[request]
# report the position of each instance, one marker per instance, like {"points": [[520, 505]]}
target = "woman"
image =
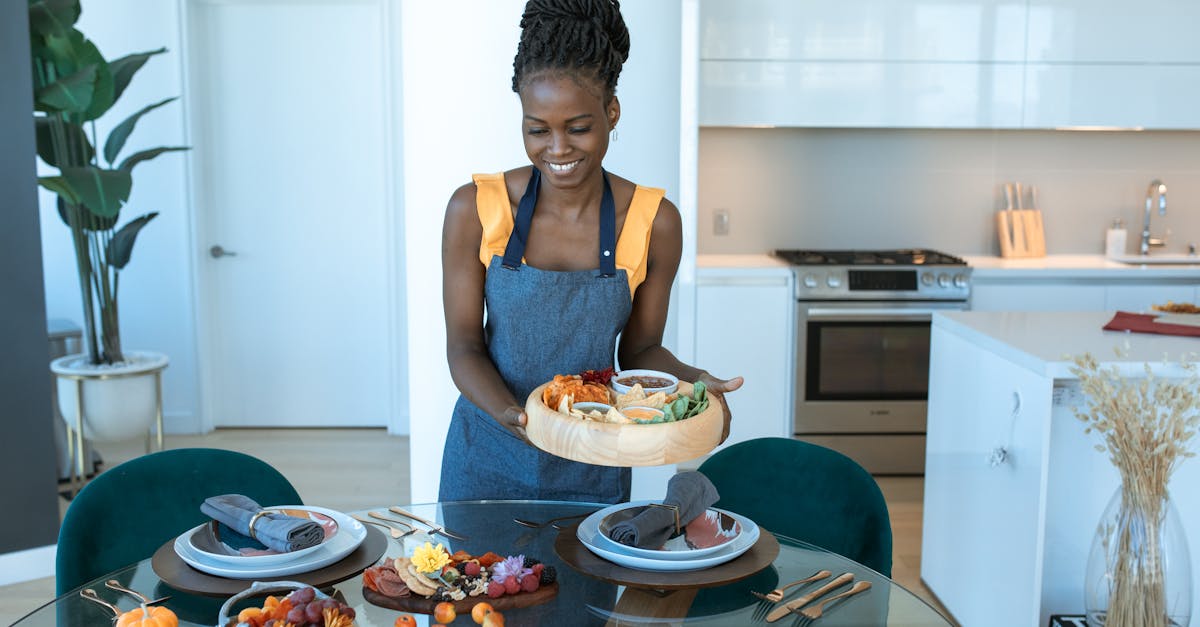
{"points": [[564, 257]]}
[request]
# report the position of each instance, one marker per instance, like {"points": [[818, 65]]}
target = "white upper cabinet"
{"points": [[950, 64]]}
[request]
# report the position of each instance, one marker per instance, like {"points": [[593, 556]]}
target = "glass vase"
{"points": [[1139, 571]]}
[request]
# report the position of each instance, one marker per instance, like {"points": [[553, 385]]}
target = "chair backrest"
{"points": [[806, 492], [127, 512]]}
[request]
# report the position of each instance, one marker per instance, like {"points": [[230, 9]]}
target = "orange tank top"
{"points": [[633, 244]]}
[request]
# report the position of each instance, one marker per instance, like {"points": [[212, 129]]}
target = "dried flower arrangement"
{"points": [[1147, 425]]}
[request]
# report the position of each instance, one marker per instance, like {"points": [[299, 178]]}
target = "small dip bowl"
{"points": [[652, 381], [642, 414], [588, 407]]}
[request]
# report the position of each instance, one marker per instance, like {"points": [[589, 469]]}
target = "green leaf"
{"points": [[73, 133], [85, 219], [49, 17], [103, 192], [116, 139], [147, 155], [121, 246], [70, 94], [124, 68], [60, 186]]}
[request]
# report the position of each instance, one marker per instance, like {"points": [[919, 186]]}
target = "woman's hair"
{"points": [[583, 38]]}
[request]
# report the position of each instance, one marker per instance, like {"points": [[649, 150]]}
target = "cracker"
{"points": [[415, 581]]}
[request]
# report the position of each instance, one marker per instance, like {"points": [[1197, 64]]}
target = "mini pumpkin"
{"points": [[148, 616]]}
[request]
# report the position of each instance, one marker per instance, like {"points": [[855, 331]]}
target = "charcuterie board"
{"points": [[422, 605]]}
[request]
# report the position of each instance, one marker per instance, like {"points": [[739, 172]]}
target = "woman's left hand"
{"points": [[719, 387]]}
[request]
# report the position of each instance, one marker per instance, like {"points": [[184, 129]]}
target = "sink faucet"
{"points": [[1157, 190]]}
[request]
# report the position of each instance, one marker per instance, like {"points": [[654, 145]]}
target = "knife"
{"points": [[434, 527], [787, 608]]}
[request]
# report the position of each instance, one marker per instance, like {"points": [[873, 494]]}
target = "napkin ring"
{"points": [[674, 509], [254, 519]]}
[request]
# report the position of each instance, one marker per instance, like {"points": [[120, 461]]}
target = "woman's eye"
{"points": [[579, 130], [537, 131]]}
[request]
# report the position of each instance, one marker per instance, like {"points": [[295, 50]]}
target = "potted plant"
{"points": [[74, 86]]}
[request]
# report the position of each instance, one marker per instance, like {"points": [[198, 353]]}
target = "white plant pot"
{"points": [[120, 401]]}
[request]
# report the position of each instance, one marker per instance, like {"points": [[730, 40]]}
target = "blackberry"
{"points": [[548, 576], [529, 562]]}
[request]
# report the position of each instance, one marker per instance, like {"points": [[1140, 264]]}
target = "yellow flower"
{"points": [[430, 559]]}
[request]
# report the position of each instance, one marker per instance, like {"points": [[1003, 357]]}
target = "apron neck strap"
{"points": [[515, 250]]}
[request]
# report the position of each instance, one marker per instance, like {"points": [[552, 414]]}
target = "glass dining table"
{"points": [[581, 600]]}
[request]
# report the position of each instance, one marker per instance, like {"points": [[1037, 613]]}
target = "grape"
{"points": [[313, 613], [303, 595], [348, 611], [296, 615]]}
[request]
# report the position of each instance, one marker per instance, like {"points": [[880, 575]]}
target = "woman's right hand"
{"points": [[514, 419]]}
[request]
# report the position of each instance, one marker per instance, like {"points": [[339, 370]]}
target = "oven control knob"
{"points": [[810, 280], [927, 279], [960, 280], [833, 281], [943, 280]]}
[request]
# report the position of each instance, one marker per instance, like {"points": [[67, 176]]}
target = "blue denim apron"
{"points": [[539, 323]]}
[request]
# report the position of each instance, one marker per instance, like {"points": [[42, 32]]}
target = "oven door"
{"points": [[863, 367]]}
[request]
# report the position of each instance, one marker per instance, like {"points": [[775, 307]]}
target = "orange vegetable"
{"points": [[149, 616]]}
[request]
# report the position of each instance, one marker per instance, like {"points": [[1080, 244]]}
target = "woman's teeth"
{"points": [[562, 168]]}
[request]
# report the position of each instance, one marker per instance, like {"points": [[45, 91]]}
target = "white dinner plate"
{"points": [[588, 533], [705, 529], [205, 541], [350, 534]]}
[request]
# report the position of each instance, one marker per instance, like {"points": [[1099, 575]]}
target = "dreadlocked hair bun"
{"points": [[584, 37]]}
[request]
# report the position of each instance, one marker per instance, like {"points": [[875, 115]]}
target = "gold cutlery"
{"points": [[395, 533], [91, 595], [548, 523], [787, 608], [434, 527], [143, 599], [771, 598], [817, 611]]}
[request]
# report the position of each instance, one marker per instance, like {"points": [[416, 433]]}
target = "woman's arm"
{"points": [[463, 275], [641, 341]]}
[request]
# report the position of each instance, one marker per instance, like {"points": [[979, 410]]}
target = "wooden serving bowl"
{"points": [[607, 444]]}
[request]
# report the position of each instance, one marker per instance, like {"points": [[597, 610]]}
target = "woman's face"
{"points": [[565, 126]]}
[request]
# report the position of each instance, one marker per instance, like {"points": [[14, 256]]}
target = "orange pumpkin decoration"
{"points": [[148, 616]]}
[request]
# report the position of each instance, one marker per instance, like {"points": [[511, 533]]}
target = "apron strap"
{"points": [[515, 249]]}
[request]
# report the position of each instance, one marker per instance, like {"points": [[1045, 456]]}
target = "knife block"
{"points": [[1021, 233]]}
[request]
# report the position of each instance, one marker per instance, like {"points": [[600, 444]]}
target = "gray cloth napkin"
{"points": [[278, 531], [691, 491]]}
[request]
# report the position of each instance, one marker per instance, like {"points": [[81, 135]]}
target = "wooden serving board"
{"points": [[607, 444], [421, 605], [577, 556]]}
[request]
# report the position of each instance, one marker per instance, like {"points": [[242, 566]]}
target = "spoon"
{"points": [[116, 585], [91, 595], [396, 533]]}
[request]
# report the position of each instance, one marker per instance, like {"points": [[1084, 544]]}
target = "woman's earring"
{"points": [[613, 134]]}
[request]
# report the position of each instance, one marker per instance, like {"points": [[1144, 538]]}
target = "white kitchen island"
{"points": [[1013, 486]]}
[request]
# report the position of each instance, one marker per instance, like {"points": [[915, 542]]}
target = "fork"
{"points": [[396, 533], [91, 595], [143, 599], [771, 598], [811, 613]]}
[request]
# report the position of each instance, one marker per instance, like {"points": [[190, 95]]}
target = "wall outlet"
{"points": [[721, 222]]}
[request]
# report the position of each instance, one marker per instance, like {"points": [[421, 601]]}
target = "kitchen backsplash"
{"points": [[881, 188]]}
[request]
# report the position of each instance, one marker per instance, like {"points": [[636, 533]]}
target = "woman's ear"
{"points": [[614, 112]]}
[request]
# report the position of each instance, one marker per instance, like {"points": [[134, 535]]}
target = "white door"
{"points": [[291, 109]]}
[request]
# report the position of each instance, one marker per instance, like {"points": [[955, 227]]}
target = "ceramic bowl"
{"points": [[706, 534], [623, 381]]}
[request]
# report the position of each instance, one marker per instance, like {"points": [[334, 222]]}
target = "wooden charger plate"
{"points": [[607, 444], [422, 605], [179, 575], [577, 556]]}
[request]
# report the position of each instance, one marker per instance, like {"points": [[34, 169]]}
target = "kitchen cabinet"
{"points": [[923, 64], [745, 321], [1079, 294]]}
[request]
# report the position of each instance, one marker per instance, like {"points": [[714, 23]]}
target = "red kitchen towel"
{"points": [[1144, 323]]}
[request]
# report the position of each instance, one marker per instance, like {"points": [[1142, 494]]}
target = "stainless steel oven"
{"points": [[862, 355]]}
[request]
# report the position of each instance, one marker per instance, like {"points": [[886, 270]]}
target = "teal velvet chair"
{"points": [[806, 492], [127, 512]]}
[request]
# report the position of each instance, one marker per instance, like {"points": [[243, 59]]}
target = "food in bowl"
{"points": [[643, 414], [650, 380]]}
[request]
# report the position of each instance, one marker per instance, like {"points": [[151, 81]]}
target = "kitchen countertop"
{"points": [[740, 261], [1044, 341], [1072, 267]]}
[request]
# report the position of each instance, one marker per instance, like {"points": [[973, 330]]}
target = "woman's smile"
{"points": [[563, 168]]}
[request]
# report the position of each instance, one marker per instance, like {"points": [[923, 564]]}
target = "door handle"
{"points": [[217, 251]]}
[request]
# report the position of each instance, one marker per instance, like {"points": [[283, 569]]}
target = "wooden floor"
{"points": [[349, 469]]}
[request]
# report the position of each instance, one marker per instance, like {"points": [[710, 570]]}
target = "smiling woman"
{"points": [[592, 255]]}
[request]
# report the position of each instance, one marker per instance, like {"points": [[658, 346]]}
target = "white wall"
{"points": [[156, 299], [888, 188], [460, 117]]}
